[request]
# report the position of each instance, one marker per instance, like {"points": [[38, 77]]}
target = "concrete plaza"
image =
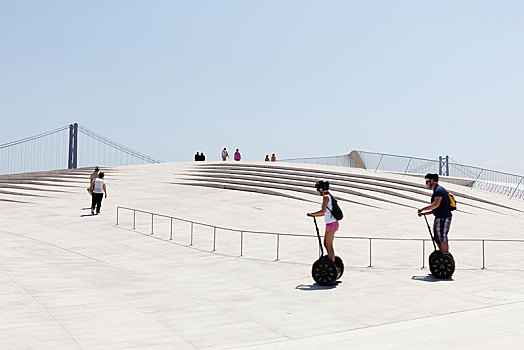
{"points": [[70, 280]]}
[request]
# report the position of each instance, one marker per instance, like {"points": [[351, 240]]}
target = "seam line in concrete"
{"points": [[54, 245]]}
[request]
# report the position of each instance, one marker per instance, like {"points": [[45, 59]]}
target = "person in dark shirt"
{"points": [[440, 208]]}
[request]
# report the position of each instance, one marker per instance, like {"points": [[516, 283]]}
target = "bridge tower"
{"points": [[443, 168], [73, 146]]}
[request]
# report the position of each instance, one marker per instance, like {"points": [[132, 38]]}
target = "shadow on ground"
{"points": [[309, 287], [430, 278]]}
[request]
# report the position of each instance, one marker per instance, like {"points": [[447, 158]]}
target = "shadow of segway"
{"points": [[312, 287], [431, 278]]}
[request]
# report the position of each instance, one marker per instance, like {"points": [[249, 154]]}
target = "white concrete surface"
{"points": [[69, 280]]}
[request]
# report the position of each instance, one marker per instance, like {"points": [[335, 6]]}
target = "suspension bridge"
{"points": [[68, 147]]}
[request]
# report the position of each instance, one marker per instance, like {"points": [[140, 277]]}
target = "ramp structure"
{"points": [[194, 265]]}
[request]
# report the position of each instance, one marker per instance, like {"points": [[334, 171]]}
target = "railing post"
{"points": [[423, 253], [134, 219], [214, 238], [370, 253], [522, 178], [410, 159], [191, 241], [117, 216], [152, 229], [379, 162], [473, 184], [171, 231], [483, 257], [241, 242], [278, 246]]}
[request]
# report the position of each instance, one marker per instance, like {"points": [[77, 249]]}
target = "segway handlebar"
{"points": [[430, 233], [318, 235]]}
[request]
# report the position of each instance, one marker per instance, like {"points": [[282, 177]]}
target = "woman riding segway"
{"points": [[327, 212], [328, 268]]}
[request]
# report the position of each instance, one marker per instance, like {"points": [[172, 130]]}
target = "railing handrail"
{"points": [[303, 235], [406, 157]]}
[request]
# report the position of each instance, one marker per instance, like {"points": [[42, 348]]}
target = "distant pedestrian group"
{"points": [[273, 158], [200, 157], [225, 155]]}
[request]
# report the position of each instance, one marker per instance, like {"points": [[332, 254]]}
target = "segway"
{"points": [[441, 265], [326, 272]]}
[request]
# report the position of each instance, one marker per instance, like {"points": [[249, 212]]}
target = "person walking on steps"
{"points": [[237, 156], [326, 211], [99, 190], [225, 155], [440, 208], [94, 175]]}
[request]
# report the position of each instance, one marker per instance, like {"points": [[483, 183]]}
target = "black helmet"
{"points": [[323, 185], [432, 177]]}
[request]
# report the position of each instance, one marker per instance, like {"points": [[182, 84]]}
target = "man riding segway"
{"points": [[441, 262], [441, 209]]}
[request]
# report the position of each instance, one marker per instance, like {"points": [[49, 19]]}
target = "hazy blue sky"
{"points": [[295, 78]]}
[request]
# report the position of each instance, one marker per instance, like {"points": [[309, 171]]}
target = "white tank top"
{"points": [[328, 217]]}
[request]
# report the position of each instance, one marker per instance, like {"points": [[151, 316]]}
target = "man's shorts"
{"points": [[441, 229]]}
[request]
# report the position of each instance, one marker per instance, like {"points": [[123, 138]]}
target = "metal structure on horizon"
{"points": [[69, 147], [506, 184]]}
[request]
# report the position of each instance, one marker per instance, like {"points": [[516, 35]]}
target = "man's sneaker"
{"points": [[92, 212]]}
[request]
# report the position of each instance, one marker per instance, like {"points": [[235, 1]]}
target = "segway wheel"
{"points": [[432, 255], [441, 265], [324, 272], [340, 265]]}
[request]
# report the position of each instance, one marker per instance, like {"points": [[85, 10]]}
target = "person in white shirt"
{"points": [[99, 190], [225, 155]]}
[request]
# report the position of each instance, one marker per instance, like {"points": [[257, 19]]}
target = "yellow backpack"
{"points": [[452, 202]]}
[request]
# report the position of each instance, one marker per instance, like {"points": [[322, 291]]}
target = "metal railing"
{"points": [[342, 160], [506, 184], [277, 235]]}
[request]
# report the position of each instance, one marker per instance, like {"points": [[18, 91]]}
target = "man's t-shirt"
{"points": [[443, 210]]}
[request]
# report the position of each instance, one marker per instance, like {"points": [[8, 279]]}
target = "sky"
{"points": [[295, 78]]}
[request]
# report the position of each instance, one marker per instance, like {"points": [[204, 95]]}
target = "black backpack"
{"points": [[336, 212]]}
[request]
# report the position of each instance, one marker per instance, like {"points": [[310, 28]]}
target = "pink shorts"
{"points": [[332, 226]]}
